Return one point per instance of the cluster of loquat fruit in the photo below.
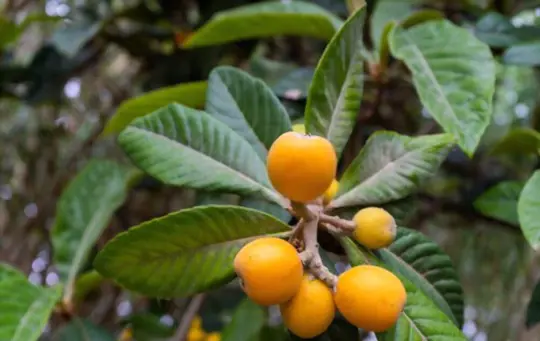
(197, 333)
(302, 168)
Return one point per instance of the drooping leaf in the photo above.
(247, 106)
(188, 94)
(390, 167)
(336, 90)
(82, 330)
(454, 75)
(25, 308)
(527, 54)
(519, 141)
(533, 308)
(83, 211)
(73, 34)
(528, 212)
(247, 321)
(184, 252)
(8, 272)
(421, 319)
(266, 19)
(185, 147)
(423, 263)
(500, 201)
(498, 31)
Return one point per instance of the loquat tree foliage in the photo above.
(232, 135)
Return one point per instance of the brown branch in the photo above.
(189, 315)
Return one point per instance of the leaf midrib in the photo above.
(34, 307)
(269, 192)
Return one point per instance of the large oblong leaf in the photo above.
(423, 263)
(184, 252)
(454, 75)
(500, 201)
(188, 94)
(186, 147)
(421, 319)
(390, 167)
(83, 211)
(266, 19)
(247, 106)
(528, 212)
(336, 89)
(24, 308)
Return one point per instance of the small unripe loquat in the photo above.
(311, 311)
(370, 297)
(330, 192)
(375, 227)
(270, 269)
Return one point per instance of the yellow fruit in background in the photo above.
(195, 334)
(311, 311)
(215, 336)
(299, 128)
(370, 297)
(196, 322)
(301, 167)
(331, 192)
(270, 269)
(375, 227)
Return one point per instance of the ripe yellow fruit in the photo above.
(270, 269)
(301, 167)
(195, 334)
(299, 128)
(214, 336)
(375, 228)
(331, 192)
(370, 297)
(311, 311)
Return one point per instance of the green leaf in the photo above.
(185, 147)
(336, 90)
(527, 54)
(454, 75)
(267, 207)
(390, 167)
(387, 11)
(247, 106)
(247, 322)
(533, 308)
(8, 272)
(183, 253)
(82, 330)
(423, 263)
(82, 213)
(9, 32)
(500, 201)
(73, 34)
(188, 94)
(25, 308)
(266, 19)
(521, 141)
(528, 212)
(148, 327)
(86, 283)
(498, 31)
(421, 319)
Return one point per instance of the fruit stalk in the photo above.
(344, 226)
(310, 256)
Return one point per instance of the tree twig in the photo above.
(189, 315)
(344, 225)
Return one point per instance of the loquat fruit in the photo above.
(196, 322)
(375, 227)
(270, 269)
(311, 311)
(301, 167)
(330, 192)
(299, 128)
(214, 336)
(196, 334)
(370, 297)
